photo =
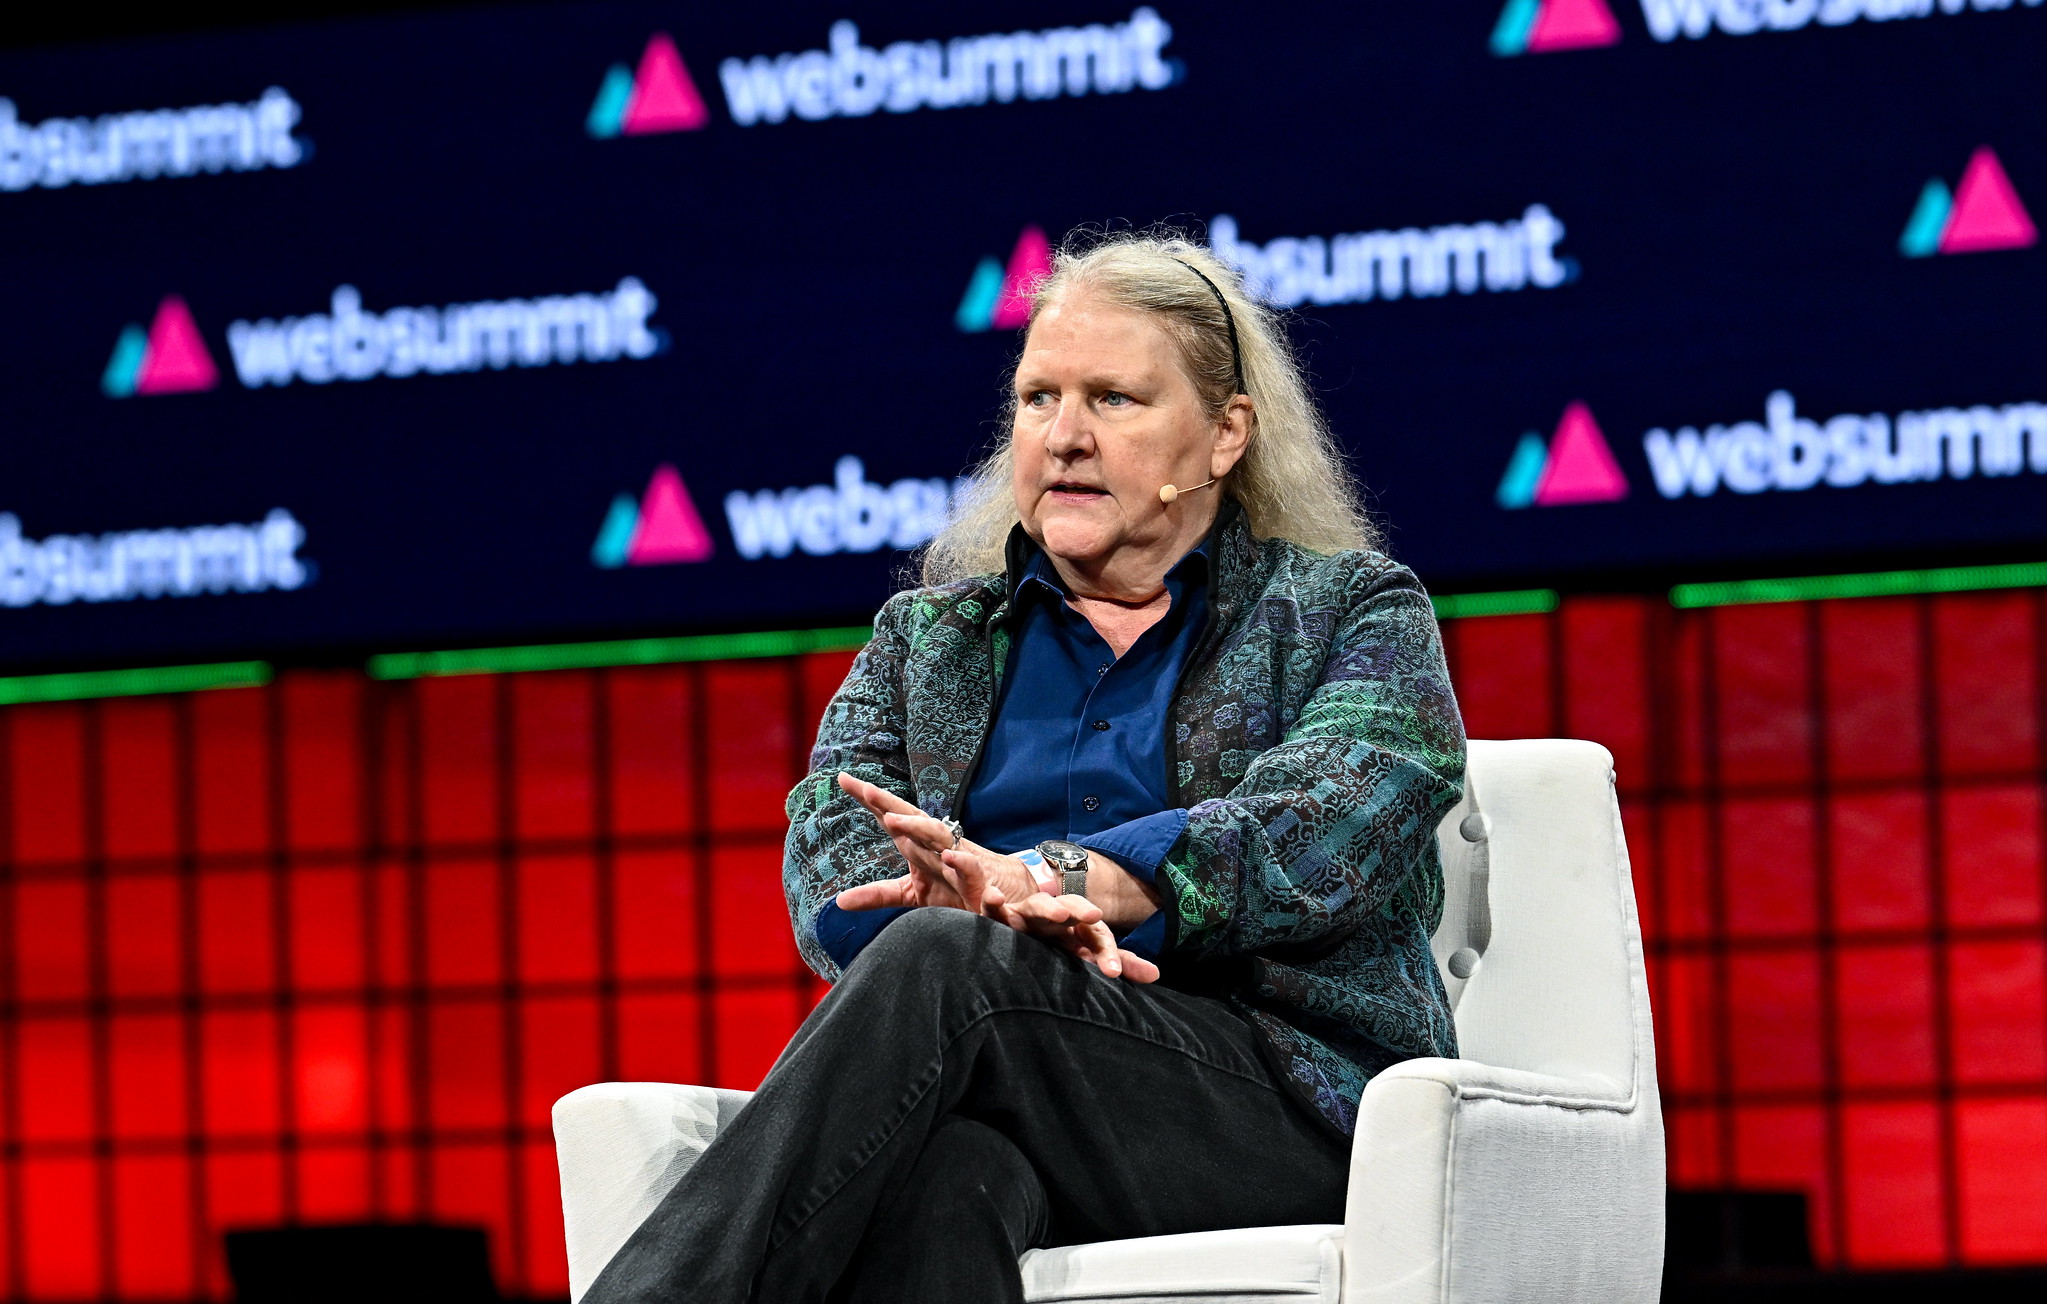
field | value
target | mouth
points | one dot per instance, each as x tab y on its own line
1074	490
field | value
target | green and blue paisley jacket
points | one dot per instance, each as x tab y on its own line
1314	741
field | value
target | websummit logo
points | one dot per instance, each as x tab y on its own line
1983	213
170	359
659	98
661	529
998	298
1546	26
1575	466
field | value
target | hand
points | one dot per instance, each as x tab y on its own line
1075	925
989	877
979	880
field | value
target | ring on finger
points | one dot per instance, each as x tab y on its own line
953	827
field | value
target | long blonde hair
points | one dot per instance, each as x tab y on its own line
1293	482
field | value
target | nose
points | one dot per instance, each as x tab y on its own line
1069	434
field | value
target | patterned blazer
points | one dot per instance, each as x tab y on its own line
1314	741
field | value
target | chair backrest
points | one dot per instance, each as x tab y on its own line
1539	944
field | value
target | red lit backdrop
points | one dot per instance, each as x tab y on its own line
327	951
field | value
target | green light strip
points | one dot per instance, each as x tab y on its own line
1878	584
618	652
1514	602
73	686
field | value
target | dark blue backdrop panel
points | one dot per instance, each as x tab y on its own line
1731	207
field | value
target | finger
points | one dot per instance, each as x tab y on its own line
1109	960
920	857
1084	945
1043	907
928	870
916	846
934	890
1107	956
998	873
967	875
916	852
860	788
862	791
1039	916
1137	969
889	801
1013	917
932	833
1049	917
876	896
878	800
1083	910
874	796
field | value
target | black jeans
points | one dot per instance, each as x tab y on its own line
966	1093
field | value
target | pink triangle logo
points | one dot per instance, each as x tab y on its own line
669	529
1581	468
176	360
1029	263
1573	25
664	98
1987	213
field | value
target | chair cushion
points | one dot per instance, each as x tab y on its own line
1283	1265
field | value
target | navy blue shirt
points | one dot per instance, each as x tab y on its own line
1078	748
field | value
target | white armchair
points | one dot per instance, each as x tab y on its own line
1530	1169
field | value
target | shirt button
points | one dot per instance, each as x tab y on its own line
1090	803
1102	669
1101	726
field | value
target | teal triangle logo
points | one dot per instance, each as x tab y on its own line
1524	472
615	536
1929	219
608	113
1517	20
118	380
984	291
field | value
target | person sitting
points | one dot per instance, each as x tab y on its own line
1118	841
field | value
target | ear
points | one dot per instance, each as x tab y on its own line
1232	437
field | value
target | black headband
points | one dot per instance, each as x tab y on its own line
1229	321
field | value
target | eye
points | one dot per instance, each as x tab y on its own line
1038	398
1116	398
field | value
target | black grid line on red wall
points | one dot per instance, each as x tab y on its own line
328	951
1835	816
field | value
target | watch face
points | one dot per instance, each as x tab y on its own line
1064	855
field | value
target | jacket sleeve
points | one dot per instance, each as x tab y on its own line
1328	824
834	842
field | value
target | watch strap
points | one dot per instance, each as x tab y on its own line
1074	882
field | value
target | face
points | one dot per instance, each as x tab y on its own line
1104	416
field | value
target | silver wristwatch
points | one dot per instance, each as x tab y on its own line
1069	861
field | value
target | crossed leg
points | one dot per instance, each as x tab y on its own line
966	1092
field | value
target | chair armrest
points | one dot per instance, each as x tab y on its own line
622	1146
1471	1080
1471	1182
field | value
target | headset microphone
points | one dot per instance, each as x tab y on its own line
1167	492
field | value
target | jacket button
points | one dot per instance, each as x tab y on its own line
1101	726
1090	803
